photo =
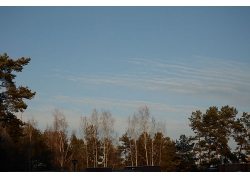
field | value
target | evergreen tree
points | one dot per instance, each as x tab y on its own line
77	146
212	132
37	156
241	135
186	155
170	160
11	96
196	125
158	148
126	149
116	161
11	102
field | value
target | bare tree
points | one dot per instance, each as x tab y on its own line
161	128
95	124
57	140
90	130
107	132
130	135
143	115
84	125
135	133
29	129
152	134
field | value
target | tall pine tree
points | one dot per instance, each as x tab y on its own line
11	102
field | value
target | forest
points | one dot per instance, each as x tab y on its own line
25	148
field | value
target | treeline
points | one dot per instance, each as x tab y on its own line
96	143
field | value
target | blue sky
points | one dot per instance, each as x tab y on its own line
175	60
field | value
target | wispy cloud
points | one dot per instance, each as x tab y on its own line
205	77
129	104
79	105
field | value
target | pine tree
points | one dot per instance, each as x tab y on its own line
126	149
36	154
186	155
196	125
170	160
241	135
11	101
77	146
158	148
11	96
212	132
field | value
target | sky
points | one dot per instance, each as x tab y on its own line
175	60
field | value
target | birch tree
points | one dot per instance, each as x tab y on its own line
108	134
90	130
152	135
157	132
57	140
127	147
84	125
95	125
135	134
29	131
130	140
143	116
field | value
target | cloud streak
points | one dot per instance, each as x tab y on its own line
207	78
121	108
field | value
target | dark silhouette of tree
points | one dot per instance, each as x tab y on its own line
37	156
126	150
77	146
184	147
11	96
170	160
11	102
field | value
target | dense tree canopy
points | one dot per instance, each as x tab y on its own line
11	96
